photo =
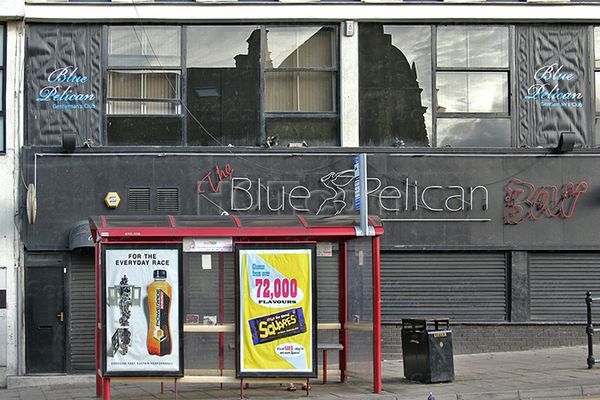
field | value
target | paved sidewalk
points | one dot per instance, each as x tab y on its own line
558	373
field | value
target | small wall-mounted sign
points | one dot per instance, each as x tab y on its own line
112	200
324	249
208	245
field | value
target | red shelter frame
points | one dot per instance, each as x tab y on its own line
168	229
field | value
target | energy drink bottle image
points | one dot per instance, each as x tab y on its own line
159	304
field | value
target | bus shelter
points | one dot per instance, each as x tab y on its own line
236	299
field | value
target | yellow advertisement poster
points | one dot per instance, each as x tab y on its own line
277	321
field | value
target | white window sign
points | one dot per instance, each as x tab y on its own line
208	245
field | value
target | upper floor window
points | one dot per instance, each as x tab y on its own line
300	78
230	85
471	83
223	85
144	79
434	86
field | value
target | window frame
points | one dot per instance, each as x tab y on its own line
429	49
144	70
282	115
181	70
334	69
509	70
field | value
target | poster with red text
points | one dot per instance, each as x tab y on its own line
277	310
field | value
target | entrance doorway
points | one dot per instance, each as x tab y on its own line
45	315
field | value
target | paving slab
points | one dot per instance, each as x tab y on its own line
557	373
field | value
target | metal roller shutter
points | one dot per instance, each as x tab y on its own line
82	311
461	286
327	288
558	282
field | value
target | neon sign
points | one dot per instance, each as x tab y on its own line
61	90
525	202
221	174
334	194
551	95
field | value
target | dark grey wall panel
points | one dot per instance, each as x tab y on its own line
53	47
72	187
461	286
538	46
558	283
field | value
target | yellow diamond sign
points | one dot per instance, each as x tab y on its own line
112	200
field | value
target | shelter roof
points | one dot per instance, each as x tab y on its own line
137	227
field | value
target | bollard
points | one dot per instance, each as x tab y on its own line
589	330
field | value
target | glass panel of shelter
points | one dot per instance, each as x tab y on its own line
209	300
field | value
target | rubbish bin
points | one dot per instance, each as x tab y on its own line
427	350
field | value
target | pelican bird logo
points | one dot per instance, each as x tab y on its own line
336	182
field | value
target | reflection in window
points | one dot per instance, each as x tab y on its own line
219	46
316	131
144	80
395	85
472	46
473	132
144	46
234	95
398	80
223	85
159	130
471	81
295	47
300	77
472	92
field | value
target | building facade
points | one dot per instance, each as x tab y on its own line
11	63
480	122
